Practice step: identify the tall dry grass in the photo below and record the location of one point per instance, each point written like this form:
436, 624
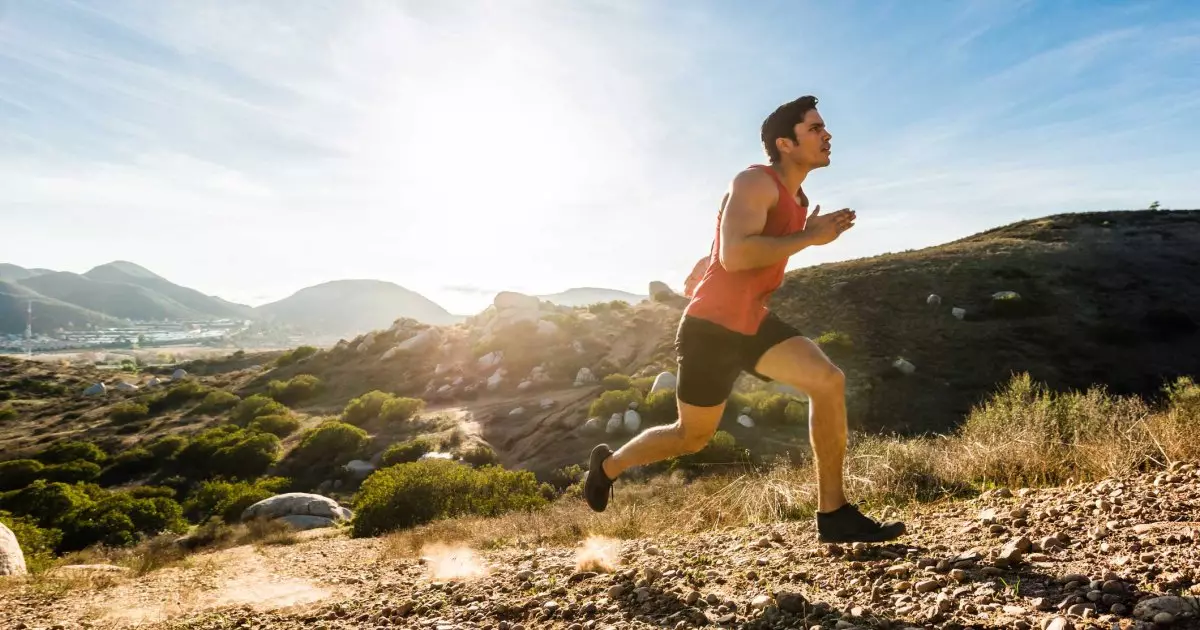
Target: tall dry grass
1024, 435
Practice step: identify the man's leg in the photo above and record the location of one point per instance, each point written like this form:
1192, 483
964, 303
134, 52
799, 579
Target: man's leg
799, 362
690, 433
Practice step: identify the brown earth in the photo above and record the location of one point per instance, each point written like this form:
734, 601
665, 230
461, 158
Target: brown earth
1121, 552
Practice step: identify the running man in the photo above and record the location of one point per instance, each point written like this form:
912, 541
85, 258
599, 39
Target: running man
726, 328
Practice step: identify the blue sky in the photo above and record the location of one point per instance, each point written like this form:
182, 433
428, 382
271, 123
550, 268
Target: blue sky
461, 148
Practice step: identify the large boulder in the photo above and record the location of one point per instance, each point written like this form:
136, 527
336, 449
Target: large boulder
124, 386
95, 390
421, 341
179, 374
664, 380
12, 559
511, 300
297, 503
584, 377
658, 286
304, 521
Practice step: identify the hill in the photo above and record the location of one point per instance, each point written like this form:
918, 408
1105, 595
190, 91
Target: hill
13, 273
352, 307
583, 296
51, 314
124, 272
1106, 298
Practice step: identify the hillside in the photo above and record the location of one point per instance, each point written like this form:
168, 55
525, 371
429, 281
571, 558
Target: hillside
51, 313
352, 307
207, 305
583, 296
1110, 298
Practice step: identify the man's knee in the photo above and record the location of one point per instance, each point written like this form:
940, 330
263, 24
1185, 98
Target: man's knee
691, 441
825, 380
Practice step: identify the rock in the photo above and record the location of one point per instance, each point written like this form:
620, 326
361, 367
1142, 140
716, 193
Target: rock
760, 602
1174, 605
305, 521
664, 380
519, 411
933, 299
366, 343
633, 421
546, 328
359, 468
546, 403
958, 313
746, 421
513, 301
495, 379
657, 287
490, 360
593, 425
126, 387
904, 366
1012, 552
179, 374
584, 377
296, 503
95, 390
421, 341
1057, 623
614, 424
927, 586
12, 559
793, 603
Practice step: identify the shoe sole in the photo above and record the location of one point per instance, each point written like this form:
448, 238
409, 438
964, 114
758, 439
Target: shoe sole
596, 464
882, 537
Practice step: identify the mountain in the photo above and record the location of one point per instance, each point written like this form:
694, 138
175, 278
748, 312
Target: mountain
583, 296
117, 299
13, 273
49, 313
351, 307
205, 305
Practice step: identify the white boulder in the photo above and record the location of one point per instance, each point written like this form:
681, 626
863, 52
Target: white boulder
933, 299
958, 313
519, 411
305, 521
490, 360
524, 385
126, 387
179, 374
547, 328
746, 421
539, 375
657, 286
366, 343
496, 379
904, 366
391, 352
546, 403
633, 421
584, 377
96, 390
614, 424
440, 369
436, 455
289, 503
153, 382
593, 424
421, 341
511, 300
359, 468
456, 382
445, 388
664, 380
12, 559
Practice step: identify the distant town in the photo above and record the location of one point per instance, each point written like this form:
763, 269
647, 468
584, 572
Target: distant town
212, 333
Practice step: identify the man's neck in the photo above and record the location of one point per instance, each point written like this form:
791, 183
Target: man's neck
792, 175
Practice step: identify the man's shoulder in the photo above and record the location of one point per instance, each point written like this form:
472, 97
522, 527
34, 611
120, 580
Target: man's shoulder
755, 180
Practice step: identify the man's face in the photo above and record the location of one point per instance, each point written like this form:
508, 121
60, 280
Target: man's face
812, 146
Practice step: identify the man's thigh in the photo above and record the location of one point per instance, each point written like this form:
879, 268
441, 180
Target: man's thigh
789, 357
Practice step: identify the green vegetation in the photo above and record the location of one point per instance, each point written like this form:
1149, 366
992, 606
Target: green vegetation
176, 396
419, 492
217, 402
37, 543
381, 405
613, 401
257, 405
63, 452
277, 425
18, 473
7, 412
227, 500
297, 389
128, 411
401, 409
409, 451
295, 356
227, 451
615, 382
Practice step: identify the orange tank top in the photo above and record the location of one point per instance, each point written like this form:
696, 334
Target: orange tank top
737, 300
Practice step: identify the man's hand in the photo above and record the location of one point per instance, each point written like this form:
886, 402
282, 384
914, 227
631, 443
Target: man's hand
822, 229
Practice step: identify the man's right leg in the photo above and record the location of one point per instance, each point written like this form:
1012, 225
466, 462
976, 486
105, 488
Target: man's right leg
689, 434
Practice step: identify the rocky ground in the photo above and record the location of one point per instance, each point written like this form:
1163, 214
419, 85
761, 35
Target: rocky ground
1121, 553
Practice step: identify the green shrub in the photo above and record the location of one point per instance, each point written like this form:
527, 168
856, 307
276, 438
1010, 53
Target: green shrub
835, 343
401, 409
63, 452
128, 411
18, 473
408, 451
48, 503
257, 405
419, 492
216, 402
616, 382
294, 390
72, 472
7, 412
295, 355
128, 465
119, 519
166, 447
37, 543
333, 443
613, 401
227, 451
228, 500
796, 413
659, 407
176, 396
280, 426
365, 408
479, 455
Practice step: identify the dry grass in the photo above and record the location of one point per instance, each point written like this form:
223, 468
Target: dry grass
1023, 436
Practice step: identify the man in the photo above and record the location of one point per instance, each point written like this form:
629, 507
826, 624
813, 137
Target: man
726, 327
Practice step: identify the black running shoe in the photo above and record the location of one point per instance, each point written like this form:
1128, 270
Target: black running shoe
847, 525
597, 487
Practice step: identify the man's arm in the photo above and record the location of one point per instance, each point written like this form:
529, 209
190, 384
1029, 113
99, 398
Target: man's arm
746, 206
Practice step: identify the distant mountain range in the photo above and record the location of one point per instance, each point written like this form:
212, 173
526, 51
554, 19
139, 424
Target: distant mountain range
122, 292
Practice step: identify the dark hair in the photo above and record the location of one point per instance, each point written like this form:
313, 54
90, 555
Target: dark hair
782, 123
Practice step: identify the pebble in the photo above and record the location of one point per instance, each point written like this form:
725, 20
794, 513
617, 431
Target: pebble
926, 586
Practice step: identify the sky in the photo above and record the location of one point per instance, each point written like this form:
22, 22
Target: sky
249, 149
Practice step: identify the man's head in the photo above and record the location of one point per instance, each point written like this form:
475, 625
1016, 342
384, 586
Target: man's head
796, 133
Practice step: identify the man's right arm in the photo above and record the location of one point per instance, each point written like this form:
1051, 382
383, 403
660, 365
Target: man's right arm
746, 207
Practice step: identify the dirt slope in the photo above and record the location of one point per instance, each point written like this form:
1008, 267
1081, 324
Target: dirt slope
1118, 553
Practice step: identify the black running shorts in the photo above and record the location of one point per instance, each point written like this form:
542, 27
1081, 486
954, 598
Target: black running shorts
712, 357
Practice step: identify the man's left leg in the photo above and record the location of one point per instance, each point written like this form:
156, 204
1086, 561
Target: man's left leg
795, 360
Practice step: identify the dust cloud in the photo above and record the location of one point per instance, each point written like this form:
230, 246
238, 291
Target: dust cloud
598, 553
452, 562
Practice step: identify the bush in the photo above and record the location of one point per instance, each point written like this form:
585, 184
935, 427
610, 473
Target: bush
408, 451
72, 472
63, 452
616, 382
7, 412
365, 408
227, 451
128, 411
280, 426
297, 389
835, 343
257, 405
166, 447
479, 455
18, 473
614, 401
217, 402
419, 492
295, 355
660, 407
128, 465
37, 543
331, 443
228, 500
176, 396
401, 409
